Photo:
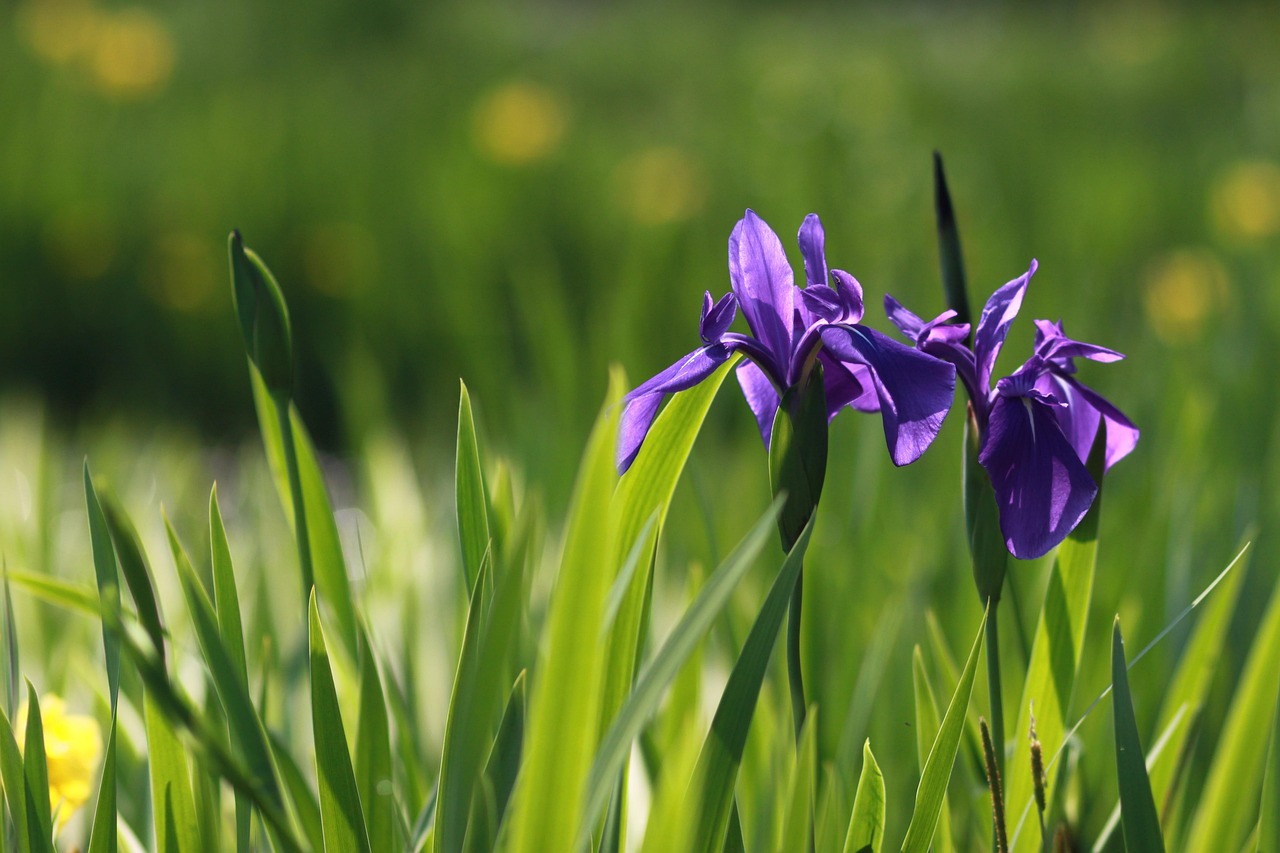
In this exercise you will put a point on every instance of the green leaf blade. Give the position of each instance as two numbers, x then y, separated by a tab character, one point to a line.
1138	814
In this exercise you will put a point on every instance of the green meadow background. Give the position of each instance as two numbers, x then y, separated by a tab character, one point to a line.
521	194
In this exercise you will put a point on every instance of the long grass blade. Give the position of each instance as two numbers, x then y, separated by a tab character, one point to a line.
717	770
927	725
374	775
173	802
103	836
36	770
13	773
1138	815
866	825
341	812
937	769
104	567
469	494
797	822
1269	810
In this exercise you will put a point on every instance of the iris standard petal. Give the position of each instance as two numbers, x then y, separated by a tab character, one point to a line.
762	281
812	241
1042	488
761	396
997	314
717	317
641	405
915	390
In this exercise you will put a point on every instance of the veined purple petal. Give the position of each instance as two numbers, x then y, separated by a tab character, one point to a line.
1080	419
1053	343
812	241
915	390
640	407
849	292
761	396
1042	488
847	385
993	326
823	302
910	325
762	281
717	317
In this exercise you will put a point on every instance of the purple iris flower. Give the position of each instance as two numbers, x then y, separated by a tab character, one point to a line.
792	329
1037	425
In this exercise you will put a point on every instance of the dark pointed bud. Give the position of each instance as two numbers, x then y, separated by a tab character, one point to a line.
798	454
264	318
997	793
952	261
1037	767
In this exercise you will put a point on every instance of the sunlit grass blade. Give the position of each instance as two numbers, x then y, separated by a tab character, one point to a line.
246	729
671	821
1224	816
306	809
615	746
1189	687
1138	815
829	823
104	567
937	769
1269	810
374	775
926	730
341	813
866	824
326	547
721	755
36	772
67	594
564	707
103	836
1055	662
797	821
137	574
1159	750
172	801
469	494
13	773
503	766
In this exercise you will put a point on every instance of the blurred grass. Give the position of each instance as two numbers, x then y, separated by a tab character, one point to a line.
519	194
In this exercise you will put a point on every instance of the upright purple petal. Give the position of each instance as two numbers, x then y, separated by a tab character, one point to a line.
910	325
915	390
812	240
640	407
1042	488
717	317
993	326
761	396
762	281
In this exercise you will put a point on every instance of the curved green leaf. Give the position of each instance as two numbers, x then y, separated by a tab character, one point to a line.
1138	814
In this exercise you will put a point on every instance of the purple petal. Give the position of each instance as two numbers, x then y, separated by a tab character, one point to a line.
718	317
641	405
915	390
909	324
761	396
849	291
847	385
1122	434
812	240
1042	488
823	302
993	326
762	281
1053	343
1077	419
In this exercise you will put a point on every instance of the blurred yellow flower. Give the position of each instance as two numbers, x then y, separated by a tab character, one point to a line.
520	122
660	185
1180	290
72	746
1245	201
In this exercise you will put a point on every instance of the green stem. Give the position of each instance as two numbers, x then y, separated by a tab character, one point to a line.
295	490
794	677
993	684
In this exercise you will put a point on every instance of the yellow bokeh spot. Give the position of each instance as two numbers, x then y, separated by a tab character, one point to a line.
181	271
60	31
341	258
1180	290
1245	201
660	185
72	746
133	55
125	54
520	122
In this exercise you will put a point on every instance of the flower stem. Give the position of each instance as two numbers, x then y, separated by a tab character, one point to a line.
794	676
295	491
993	687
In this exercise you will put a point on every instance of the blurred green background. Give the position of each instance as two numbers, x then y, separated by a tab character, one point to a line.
520	194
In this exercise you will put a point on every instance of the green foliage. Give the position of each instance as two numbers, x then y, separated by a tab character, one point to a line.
1137	806
866	826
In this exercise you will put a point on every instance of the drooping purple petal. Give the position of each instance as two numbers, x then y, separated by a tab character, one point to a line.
1087	407
812	240
823	302
993	326
910	325
1042	488
762	281
761	396
847	385
641	405
717	317
915	390
1052	343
